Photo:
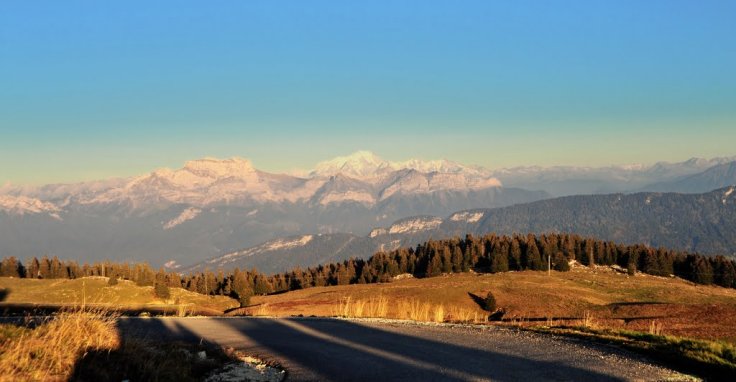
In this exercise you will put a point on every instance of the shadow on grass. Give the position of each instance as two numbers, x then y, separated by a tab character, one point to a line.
29	309
148	358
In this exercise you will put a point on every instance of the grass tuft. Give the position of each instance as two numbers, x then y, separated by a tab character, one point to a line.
51	350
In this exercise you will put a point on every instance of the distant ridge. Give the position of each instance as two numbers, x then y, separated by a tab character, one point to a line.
703	223
718	176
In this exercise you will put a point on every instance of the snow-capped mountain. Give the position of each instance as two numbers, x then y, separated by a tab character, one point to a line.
362	177
21	205
367	165
210	206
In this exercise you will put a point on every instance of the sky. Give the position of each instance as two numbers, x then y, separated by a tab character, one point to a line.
98	89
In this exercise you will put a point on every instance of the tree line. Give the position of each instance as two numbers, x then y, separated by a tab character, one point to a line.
484	254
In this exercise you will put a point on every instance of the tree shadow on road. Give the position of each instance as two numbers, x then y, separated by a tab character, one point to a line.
339	350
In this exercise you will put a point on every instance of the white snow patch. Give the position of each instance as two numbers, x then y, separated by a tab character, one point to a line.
286	243
727	194
377	232
354	196
252	213
188	214
470	217
393	245
171	264
265	247
21	205
415	225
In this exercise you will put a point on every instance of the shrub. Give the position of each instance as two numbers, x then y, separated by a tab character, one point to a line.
113	280
561	263
244	297
244	300
489	303
160	290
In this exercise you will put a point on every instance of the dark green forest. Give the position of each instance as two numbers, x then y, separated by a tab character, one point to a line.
486	254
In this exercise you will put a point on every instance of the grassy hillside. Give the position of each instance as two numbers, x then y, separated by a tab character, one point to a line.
94	290
599	296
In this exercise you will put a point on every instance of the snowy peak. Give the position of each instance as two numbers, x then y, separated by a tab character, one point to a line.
220	168
22	205
367	165
441	166
200	172
360	164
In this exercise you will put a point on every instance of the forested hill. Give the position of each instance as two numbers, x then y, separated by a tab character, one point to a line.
703	223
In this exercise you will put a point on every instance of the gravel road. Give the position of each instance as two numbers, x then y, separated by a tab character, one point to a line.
345	350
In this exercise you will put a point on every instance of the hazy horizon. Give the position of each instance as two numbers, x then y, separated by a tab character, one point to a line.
303	171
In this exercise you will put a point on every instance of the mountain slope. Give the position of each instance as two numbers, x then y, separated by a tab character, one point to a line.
569	180
704	223
715	177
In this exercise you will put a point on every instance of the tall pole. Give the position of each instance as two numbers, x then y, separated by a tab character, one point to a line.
549	265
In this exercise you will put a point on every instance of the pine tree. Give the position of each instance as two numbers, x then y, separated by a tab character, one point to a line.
240	284
533	257
261	285
33	269
499	262
160	285
434	267
10	267
515	260
560	262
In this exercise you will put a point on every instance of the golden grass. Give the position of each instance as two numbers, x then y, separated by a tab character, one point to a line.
376	307
655	328
405	309
95	291
713	360
612	300
50	351
588	320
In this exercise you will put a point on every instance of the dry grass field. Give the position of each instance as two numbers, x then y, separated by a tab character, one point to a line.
599	297
95	291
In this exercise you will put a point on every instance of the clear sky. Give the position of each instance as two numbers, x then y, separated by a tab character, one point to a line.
92	89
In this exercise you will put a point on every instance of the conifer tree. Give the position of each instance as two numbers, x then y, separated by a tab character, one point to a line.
533	257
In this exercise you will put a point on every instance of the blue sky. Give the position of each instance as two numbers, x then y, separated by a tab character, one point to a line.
91	89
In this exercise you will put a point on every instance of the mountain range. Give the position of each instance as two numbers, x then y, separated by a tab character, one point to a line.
210	207
703	223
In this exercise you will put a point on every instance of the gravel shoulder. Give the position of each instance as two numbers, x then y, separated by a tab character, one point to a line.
312	349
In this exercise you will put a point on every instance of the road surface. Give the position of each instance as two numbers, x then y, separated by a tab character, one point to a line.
343	350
